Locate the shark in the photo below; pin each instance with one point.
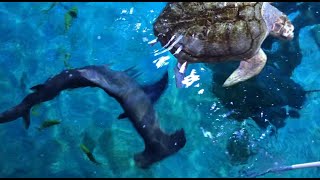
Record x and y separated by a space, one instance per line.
137 102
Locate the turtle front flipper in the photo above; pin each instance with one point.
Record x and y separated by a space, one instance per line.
179 72
247 69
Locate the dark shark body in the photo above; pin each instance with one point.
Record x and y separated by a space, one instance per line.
68 79
136 101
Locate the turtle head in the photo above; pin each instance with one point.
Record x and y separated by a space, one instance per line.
282 28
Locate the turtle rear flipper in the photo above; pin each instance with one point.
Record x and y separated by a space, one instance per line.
247 69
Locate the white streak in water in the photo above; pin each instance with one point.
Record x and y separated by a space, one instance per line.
137 26
213 106
172 38
178 50
153 41
162 61
175 42
124 11
206 133
131 11
228 114
189 80
171 46
183 67
201 91
161 52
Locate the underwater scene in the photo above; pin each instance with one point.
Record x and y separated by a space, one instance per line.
157 89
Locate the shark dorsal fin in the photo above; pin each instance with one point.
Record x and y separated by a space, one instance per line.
37 87
122 116
153 91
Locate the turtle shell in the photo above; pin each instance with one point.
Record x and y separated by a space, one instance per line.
212 31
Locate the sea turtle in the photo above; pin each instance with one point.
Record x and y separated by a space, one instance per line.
220 31
238 147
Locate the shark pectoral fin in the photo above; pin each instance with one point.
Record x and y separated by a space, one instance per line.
26 119
37 87
122 116
247 69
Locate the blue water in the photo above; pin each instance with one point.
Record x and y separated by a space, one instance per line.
35 46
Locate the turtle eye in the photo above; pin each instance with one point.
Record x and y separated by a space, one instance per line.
277 27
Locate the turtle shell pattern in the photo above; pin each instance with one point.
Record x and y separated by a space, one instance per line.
212 31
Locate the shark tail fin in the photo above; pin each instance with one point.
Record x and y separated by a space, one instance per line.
168 145
15 113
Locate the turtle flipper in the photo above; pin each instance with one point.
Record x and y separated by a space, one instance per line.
247 69
179 72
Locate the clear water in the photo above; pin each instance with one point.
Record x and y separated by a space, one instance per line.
34 45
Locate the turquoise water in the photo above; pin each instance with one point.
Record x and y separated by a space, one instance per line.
35 45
